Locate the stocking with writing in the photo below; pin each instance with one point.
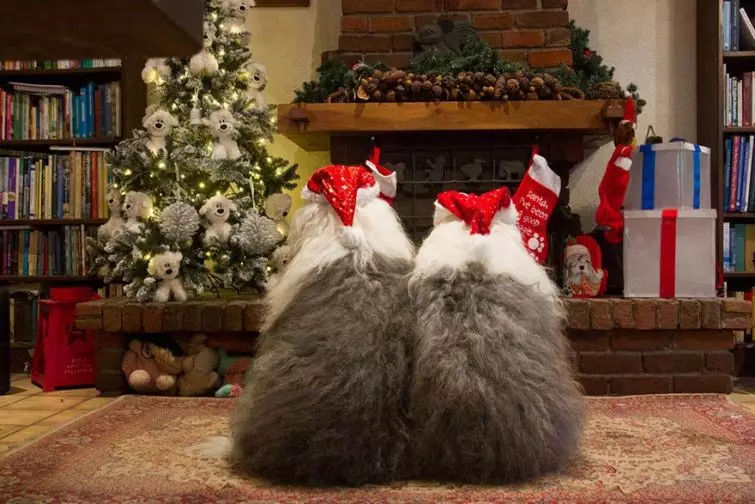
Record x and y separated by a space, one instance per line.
535 199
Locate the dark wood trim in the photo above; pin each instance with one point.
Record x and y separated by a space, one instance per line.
38 223
133 95
112 72
282 3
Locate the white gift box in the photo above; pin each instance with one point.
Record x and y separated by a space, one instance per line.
670 253
669 175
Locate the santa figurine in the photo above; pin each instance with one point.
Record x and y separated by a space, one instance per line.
493 398
584 276
327 403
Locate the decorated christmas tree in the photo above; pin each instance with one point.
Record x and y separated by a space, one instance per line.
187 191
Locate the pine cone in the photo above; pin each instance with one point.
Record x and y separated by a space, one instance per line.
532 95
455 94
524 82
390 96
378 74
427 85
471 95
416 88
437 92
377 95
537 83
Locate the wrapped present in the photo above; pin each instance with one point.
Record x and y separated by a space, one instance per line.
670 253
669 175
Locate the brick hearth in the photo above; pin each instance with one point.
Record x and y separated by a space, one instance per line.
619 346
529 31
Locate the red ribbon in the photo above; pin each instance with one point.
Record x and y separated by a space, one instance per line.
668 253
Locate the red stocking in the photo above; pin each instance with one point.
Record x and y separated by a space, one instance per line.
612 190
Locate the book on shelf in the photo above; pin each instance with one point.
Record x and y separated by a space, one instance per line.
739 247
60 64
69 185
61 251
739 182
53 112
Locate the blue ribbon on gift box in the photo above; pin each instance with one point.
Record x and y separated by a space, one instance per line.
648 177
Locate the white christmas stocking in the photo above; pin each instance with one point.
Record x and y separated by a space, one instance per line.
535 199
612 190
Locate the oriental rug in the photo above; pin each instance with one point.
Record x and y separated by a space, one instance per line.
139 450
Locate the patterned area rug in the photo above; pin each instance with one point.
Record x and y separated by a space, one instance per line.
652 449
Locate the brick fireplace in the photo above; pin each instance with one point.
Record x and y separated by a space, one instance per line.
529 31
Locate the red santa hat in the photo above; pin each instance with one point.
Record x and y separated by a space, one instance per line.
342 187
586 245
477 211
385 178
630 113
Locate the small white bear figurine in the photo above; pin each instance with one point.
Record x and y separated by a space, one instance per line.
223 126
154 68
217 210
277 207
137 206
165 267
281 257
158 122
204 62
115 222
257 85
238 9
584 276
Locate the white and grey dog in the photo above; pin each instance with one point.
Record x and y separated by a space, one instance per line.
325 402
492 397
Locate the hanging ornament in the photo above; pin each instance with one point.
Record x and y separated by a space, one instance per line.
195 116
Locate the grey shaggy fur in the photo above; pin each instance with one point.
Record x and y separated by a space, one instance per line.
326 398
492 397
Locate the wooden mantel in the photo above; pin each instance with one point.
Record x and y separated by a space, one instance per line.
310 124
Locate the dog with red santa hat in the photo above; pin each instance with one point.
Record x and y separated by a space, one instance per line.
492 397
325 403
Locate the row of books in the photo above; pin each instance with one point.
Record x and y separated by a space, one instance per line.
57 186
42 112
64 64
739 105
61 251
739 184
739 247
738 30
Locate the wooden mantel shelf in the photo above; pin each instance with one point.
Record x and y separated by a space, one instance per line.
311 124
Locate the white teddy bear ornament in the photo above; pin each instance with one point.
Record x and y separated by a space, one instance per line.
155 68
158 122
257 84
281 257
115 222
204 62
238 9
137 207
277 207
223 126
217 210
165 267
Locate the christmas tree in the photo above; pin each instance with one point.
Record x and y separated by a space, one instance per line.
187 190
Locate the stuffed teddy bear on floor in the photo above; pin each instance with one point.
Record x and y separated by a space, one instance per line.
277 207
165 267
257 85
137 207
223 126
159 123
115 222
204 62
217 210
155 68
150 369
199 376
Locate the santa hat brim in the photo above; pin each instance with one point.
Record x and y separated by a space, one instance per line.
576 249
387 182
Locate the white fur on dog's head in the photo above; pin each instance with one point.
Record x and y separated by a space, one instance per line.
165 266
217 209
158 122
258 78
222 123
450 245
137 204
315 241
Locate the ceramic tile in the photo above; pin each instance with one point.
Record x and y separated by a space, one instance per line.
23 417
6 430
63 417
45 402
26 434
94 403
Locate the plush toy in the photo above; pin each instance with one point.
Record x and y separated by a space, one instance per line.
257 85
229 390
148 374
281 257
233 369
277 207
165 267
115 222
158 122
223 126
584 276
137 207
217 210
204 62
199 376
238 10
154 69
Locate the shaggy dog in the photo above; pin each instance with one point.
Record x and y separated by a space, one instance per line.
325 399
492 396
